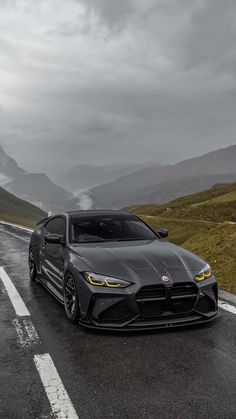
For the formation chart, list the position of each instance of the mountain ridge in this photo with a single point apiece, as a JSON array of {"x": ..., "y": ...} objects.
[
  {"x": 87, "y": 176},
  {"x": 37, "y": 188},
  {"x": 8, "y": 165},
  {"x": 134, "y": 187}
]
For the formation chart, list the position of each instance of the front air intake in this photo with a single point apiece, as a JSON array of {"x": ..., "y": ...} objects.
[{"x": 182, "y": 297}]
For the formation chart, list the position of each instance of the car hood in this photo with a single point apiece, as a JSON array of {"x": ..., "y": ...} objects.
[{"x": 144, "y": 261}]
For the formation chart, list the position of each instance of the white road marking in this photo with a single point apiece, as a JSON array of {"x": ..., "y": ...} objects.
[
  {"x": 17, "y": 226},
  {"x": 20, "y": 332},
  {"x": 26, "y": 333},
  {"x": 226, "y": 306},
  {"x": 31, "y": 331},
  {"x": 57, "y": 395},
  {"x": 16, "y": 300},
  {"x": 15, "y": 235}
]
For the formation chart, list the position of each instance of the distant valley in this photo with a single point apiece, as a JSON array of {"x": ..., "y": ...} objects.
[
  {"x": 71, "y": 189},
  {"x": 86, "y": 186},
  {"x": 36, "y": 188},
  {"x": 87, "y": 176}
]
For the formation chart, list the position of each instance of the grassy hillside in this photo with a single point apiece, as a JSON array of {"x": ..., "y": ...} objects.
[
  {"x": 215, "y": 204},
  {"x": 204, "y": 223},
  {"x": 17, "y": 210}
]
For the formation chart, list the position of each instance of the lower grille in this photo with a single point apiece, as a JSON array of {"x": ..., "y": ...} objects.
[
  {"x": 151, "y": 300},
  {"x": 151, "y": 308},
  {"x": 183, "y": 289},
  {"x": 153, "y": 291},
  {"x": 207, "y": 300},
  {"x": 182, "y": 297},
  {"x": 119, "y": 312},
  {"x": 160, "y": 300}
]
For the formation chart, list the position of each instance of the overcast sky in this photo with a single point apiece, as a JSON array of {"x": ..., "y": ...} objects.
[{"x": 103, "y": 81}]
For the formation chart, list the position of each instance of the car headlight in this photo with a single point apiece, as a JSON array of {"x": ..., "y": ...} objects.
[
  {"x": 105, "y": 281},
  {"x": 204, "y": 273}
]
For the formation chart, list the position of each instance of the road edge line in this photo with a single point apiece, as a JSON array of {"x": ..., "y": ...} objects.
[
  {"x": 15, "y": 298},
  {"x": 17, "y": 225},
  {"x": 227, "y": 296},
  {"x": 58, "y": 397},
  {"x": 226, "y": 306}
]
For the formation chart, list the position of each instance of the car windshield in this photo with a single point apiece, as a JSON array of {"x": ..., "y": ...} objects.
[{"x": 109, "y": 228}]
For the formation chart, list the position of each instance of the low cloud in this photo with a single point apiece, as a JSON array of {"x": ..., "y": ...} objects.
[{"x": 106, "y": 81}]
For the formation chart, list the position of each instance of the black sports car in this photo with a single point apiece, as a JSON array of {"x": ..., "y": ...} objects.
[{"x": 112, "y": 271}]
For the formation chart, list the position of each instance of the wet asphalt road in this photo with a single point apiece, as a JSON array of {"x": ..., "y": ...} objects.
[{"x": 177, "y": 374}]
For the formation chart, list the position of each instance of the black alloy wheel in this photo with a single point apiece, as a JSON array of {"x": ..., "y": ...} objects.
[
  {"x": 32, "y": 266},
  {"x": 71, "y": 299}
]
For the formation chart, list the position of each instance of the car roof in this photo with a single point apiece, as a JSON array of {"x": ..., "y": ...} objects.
[
  {"x": 91, "y": 213},
  {"x": 87, "y": 213}
]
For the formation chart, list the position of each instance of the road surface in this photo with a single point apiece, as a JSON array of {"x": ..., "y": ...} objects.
[{"x": 50, "y": 368}]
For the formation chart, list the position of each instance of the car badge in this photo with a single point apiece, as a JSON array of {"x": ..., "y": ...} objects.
[{"x": 165, "y": 278}]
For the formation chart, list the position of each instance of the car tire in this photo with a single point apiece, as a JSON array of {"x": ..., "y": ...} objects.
[
  {"x": 71, "y": 298},
  {"x": 32, "y": 265}
]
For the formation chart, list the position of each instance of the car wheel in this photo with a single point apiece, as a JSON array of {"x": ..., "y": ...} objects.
[
  {"x": 32, "y": 266},
  {"x": 71, "y": 299}
]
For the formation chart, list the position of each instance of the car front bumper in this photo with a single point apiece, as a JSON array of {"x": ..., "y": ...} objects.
[{"x": 152, "y": 307}]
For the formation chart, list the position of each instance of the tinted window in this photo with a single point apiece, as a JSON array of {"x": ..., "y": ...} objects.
[
  {"x": 109, "y": 228},
  {"x": 56, "y": 226}
]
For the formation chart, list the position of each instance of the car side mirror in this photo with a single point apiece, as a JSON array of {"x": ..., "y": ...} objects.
[
  {"x": 54, "y": 238},
  {"x": 162, "y": 232}
]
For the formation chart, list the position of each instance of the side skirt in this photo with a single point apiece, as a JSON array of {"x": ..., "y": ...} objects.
[{"x": 49, "y": 287}]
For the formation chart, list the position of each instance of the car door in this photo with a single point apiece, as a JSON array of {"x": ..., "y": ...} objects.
[{"x": 52, "y": 254}]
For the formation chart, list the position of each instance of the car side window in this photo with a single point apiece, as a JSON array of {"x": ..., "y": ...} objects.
[{"x": 56, "y": 226}]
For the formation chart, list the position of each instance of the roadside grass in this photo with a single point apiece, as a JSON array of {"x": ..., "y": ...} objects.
[
  {"x": 228, "y": 197},
  {"x": 179, "y": 230},
  {"x": 216, "y": 243},
  {"x": 219, "y": 249},
  {"x": 18, "y": 211},
  {"x": 209, "y": 211},
  {"x": 18, "y": 220},
  {"x": 204, "y": 223}
]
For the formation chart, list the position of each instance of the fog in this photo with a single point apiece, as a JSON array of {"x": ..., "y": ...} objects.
[{"x": 104, "y": 82}]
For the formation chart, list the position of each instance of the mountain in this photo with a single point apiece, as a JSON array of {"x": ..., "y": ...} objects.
[
  {"x": 36, "y": 188},
  {"x": 174, "y": 188},
  {"x": 85, "y": 176},
  {"x": 17, "y": 210},
  {"x": 204, "y": 223},
  {"x": 159, "y": 184},
  {"x": 9, "y": 169}
]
